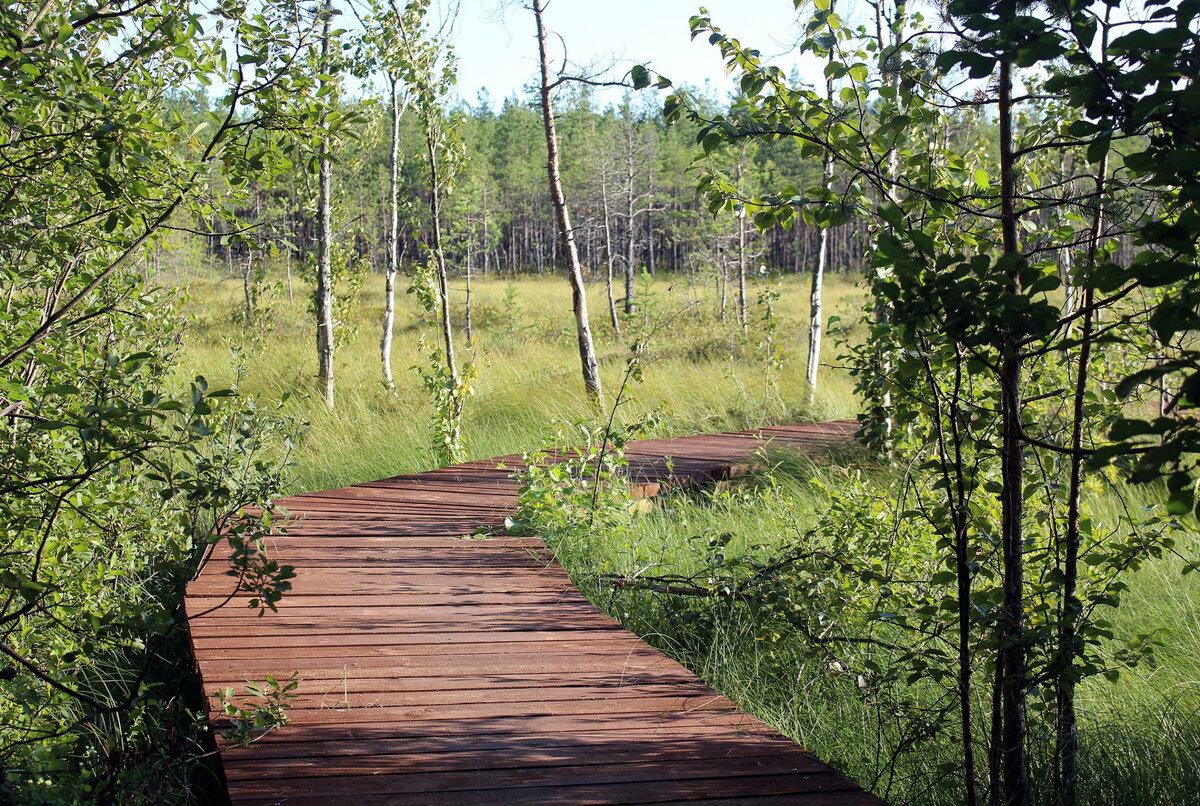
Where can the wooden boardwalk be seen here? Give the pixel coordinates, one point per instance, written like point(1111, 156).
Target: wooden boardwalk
point(443, 669)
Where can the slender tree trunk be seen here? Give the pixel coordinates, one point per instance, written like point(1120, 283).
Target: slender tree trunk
point(950, 458)
point(742, 318)
point(649, 243)
point(723, 279)
point(587, 351)
point(962, 561)
point(1066, 747)
point(470, 327)
point(247, 274)
point(882, 311)
point(1013, 652)
point(287, 263)
point(630, 306)
point(486, 248)
point(439, 254)
point(325, 243)
point(1066, 271)
point(608, 253)
point(393, 256)
point(815, 314)
point(694, 293)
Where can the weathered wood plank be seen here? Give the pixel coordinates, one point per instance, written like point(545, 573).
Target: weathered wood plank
point(437, 667)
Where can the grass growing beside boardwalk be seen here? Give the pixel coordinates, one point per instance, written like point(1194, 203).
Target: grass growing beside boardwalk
point(704, 375)
point(1140, 734)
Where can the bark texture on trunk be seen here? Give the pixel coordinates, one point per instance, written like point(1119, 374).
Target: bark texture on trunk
point(393, 264)
point(324, 301)
point(439, 256)
point(247, 282)
point(1013, 652)
point(470, 325)
point(587, 350)
point(630, 215)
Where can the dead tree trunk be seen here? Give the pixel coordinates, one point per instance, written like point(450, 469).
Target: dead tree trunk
point(742, 319)
point(467, 271)
point(439, 256)
point(587, 351)
point(247, 283)
point(608, 252)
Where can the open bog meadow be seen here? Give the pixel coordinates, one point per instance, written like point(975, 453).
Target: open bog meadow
point(701, 375)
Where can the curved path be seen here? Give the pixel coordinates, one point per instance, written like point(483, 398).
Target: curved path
point(443, 669)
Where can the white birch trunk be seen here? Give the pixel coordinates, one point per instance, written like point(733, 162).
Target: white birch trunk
point(815, 315)
point(324, 248)
point(393, 264)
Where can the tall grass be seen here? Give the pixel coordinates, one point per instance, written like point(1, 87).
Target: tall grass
point(703, 374)
point(1140, 734)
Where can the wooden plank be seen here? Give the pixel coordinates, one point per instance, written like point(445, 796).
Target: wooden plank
point(432, 753)
point(801, 788)
point(504, 729)
point(441, 668)
point(386, 779)
point(498, 663)
point(517, 757)
point(354, 694)
point(297, 599)
point(422, 643)
point(690, 739)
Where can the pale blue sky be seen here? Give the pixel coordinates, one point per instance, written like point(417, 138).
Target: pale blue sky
point(498, 50)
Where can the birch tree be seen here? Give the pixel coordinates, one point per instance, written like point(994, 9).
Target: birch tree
point(385, 48)
point(323, 295)
point(428, 66)
point(816, 312)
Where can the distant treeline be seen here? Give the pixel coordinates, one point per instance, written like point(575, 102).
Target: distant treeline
point(626, 174)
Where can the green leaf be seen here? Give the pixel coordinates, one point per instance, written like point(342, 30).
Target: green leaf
point(1098, 149)
point(892, 214)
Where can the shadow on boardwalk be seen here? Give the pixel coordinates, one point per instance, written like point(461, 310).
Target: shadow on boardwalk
point(443, 670)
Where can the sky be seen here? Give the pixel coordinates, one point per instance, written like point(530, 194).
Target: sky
point(498, 50)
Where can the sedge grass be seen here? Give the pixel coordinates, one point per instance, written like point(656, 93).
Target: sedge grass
point(1140, 733)
point(702, 374)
